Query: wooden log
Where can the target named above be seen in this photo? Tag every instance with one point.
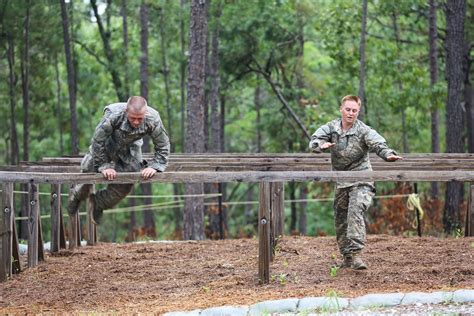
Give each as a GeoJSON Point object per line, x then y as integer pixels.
{"type": "Point", "coordinates": [55, 217]}
{"type": "Point", "coordinates": [6, 252]}
{"type": "Point", "coordinates": [73, 227]}
{"type": "Point", "coordinates": [244, 176]}
{"type": "Point", "coordinates": [16, 265]}
{"type": "Point", "coordinates": [33, 225]}
{"type": "Point", "coordinates": [469, 231]}
{"type": "Point", "coordinates": [91, 239]}
{"type": "Point", "coordinates": [278, 209]}
{"type": "Point", "coordinates": [40, 234]}
{"type": "Point", "coordinates": [264, 245]}
{"type": "Point", "coordinates": [62, 231]}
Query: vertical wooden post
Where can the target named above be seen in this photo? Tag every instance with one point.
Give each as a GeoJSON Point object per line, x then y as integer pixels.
{"type": "Point", "coordinates": [278, 208]}
{"type": "Point", "coordinates": [6, 231]}
{"type": "Point", "coordinates": [91, 239]}
{"type": "Point", "coordinates": [62, 231]}
{"type": "Point", "coordinates": [264, 234]}
{"type": "Point", "coordinates": [33, 225]}
{"type": "Point", "coordinates": [417, 212]}
{"type": "Point", "coordinates": [73, 223]}
{"type": "Point", "coordinates": [469, 231]}
{"type": "Point", "coordinates": [55, 217]}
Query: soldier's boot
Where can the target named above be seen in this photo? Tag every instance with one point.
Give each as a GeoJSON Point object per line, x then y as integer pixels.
{"type": "Point", "coordinates": [357, 262]}
{"type": "Point", "coordinates": [346, 263]}
{"type": "Point", "coordinates": [96, 212]}
{"type": "Point", "coordinates": [73, 204]}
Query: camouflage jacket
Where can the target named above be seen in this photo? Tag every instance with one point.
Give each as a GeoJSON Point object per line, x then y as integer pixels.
{"type": "Point", "coordinates": [351, 149]}
{"type": "Point", "coordinates": [116, 140]}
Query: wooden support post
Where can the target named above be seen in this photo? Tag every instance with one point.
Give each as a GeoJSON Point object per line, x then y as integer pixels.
{"type": "Point", "coordinates": [55, 217]}
{"type": "Point", "coordinates": [417, 212]}
{"type": "Point", "coordinates": [33, 225]}
{"type": "Point", "coordinates": [62, 231]}
{"type": "Point", "coordinates": [469, 231]}
{"type": "Point", "coordinates": [264, 234]}
{"type": "Point", "coordinates": [91, 238]}
{"type": "Point", "coordinates": [40, 233]}
{"type": "Point", "coordinates": [73, 230]}
{"type": "Point", "coordinates": [221, 211]}
{"type": "Point", "coordinates": [278, 208]}
{"type": "Point", "coordinates": [6, 230]}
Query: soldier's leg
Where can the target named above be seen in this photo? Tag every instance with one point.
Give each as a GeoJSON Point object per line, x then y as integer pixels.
{"type": "Point", "coordinates": [341, 202]}
{"type": "Point", "coordinates": [360, 199]}
{"type": "Point", "coordinates": [113, 194]}
{"type": "Point", "coordinates": [80, 192]}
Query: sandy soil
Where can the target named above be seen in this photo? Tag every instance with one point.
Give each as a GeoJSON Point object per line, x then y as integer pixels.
{"type": "Point", "coordinates": [162, 277]}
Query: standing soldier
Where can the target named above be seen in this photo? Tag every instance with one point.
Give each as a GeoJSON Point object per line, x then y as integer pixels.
{"type": "Point", "coordinates": [116, 147]}
{"type": "Point", "coordinates": [350, 141]}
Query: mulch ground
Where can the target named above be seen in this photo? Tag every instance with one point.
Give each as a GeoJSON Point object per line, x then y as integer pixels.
{"type": "Point", "coordinates": [162, 277]}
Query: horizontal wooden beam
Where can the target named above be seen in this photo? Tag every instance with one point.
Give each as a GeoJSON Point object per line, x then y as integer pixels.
{"type": "Point", "coordinates": [242, 176]}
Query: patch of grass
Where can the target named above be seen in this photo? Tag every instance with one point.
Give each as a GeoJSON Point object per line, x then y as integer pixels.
{"type": "Point", "coordinates": [333, 271]}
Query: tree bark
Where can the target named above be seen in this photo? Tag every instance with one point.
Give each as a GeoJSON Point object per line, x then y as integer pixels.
{"type": "Point", "coordinates": [15, 151]}
{"type": "Point", "coordinates": [433, 42]}
{"type": "Point", "coordinates": [182, 73]}
{"type": "Point", "coordinates": [148, 218]}
{"type": "Point", "coordinates": [25, 77]}
{"type": "Point", "coordinates": [111, 65]}
{"type": "Point", "coordinates": [258, 106]}
{"type": "Point", "coordinates": [194, 206]}
{"type": "Point", "coordinates": [364, 111]}
{"type": "Point", "coordinates": [58, 106]}
{"type": "Point", "coordinates": [70, 79]}
{"type": "Point", "coordinates": [123, 12]}
{"type": "Point", "coordinates": [454, 43]}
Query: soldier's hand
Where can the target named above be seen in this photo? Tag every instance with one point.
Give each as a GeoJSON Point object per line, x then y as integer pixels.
{"type": "Point", "coordinates": [109, 174]}
{"type": "Point", "coordinates": [394, 158]}
{"type": "Point", "coordinates": [327, 145]}
{"type": "Point", "coordinates": [148, 172]}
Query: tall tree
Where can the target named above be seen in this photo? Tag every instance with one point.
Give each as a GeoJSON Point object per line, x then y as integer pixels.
{"type": "Point", "coordinates": [433, 43]}
{"type": "Point", "coordinates": [25, 80]}
{"type": "Point", "coordinates": [124, 13]}
{"type": "Point", "coordinates": [148, 219]}
{"type": "Point", "coordinates": [14, 150]}
{"type": "Point", "coordinates": [71, 79]}
{"type": "Point", "coordinates": [194, 206]}
{"type": "Point", "coordinates": [105, 35]}
{"type": "Point", "coordinates": [454, 43]}
{"type": "Point", "coordinates": [182, 71]}
{"type": "Point", "coordinates": [364, 110]}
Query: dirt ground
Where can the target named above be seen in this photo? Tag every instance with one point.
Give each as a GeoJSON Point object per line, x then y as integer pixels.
{"type": "Point", "coordinates": [162, 277]}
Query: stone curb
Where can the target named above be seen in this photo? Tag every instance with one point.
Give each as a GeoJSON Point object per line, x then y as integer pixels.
{"type": "Point", "coordinates": [330, 304]}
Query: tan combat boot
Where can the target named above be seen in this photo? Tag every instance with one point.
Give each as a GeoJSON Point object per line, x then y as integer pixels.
{"type": "Point", "coordinates": [346, 263]}
{"type": "Point", "coordinates": [357, 262]}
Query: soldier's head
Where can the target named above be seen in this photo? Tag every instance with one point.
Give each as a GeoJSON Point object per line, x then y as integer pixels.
{"type": "Point", "coordinates": [136, 110]}
{"type": "Point", "coordinates": [350, 108]}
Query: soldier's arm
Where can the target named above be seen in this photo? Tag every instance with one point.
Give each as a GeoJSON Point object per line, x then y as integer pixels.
{"type": "Point", "coordinates": [161, 145]}
{"type": "Point", "coordinates": [377, 144]}
{"type": "Point", "coordinates": [320, 140]}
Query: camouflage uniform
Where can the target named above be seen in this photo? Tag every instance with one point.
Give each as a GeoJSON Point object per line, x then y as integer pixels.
{"type": "Point", "coordinates": [117, 145]}
{"type": "Point", "coordinates": [352, 199]}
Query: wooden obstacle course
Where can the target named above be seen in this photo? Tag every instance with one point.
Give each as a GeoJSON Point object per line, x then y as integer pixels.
{"type": "Point", "coordinates": [221, 169]}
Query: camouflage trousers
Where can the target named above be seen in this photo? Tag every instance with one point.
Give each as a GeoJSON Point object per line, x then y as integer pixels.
{"type": "Point", "coordinates": [350, 205]}
{"type": "Point", "coordinates": [113, 193]}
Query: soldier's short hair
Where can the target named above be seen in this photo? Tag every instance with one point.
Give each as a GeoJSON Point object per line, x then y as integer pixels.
{"type": "Point", "coordinates": [136, 103]}
{"type": "Point", "coordinates": [351, 98]}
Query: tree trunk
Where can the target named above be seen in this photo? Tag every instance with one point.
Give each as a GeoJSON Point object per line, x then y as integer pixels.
{"type": "Point", "coordinates": [58, 106]}
{"type": "Point", "coordinates": [302, 222]}
{"type": "Point", "coordinates": [148, 219]}
{"type": "Point", "coordinates": [123, 12]}
{"type": "Point", "coordinates": [258, 106]}
{"type": "Point", "coordinates": [217, 214]}
{"type": "Point", "coordinates": [166, 76]}
{"type": "Point", "coordinates": [70, 79]}
{"type": "Point", "coordinates": [433, 42]}
{"type": "Point", "coordinates": [406, 147]}
{"type": "Point", "coordinates": [364, 111]}
{"type": "Point", "coordinates": [15, 151]}
{"type": "Point", "coordinates": [455, 13]}
{"type": "Point", "coordinates": [194, 206]}
{"type": "Point", "coordinates": [182, 76]}
{"type": "Point", "coordinates": [25, 77]}
{"type": "Point", "coordinates": [111, 64]}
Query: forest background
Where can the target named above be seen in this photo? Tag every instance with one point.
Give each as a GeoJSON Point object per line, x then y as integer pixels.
{"type": "Point", "coordinates": [271, 72]}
